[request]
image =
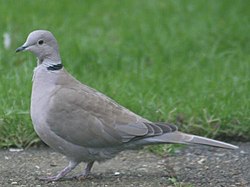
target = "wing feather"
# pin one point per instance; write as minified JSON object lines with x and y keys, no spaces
{"x":87,"y":119}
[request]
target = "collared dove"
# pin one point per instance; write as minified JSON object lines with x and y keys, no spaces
{"x":82,"y":123}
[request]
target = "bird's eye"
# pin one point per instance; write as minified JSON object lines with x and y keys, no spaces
{"x":40,"y":42}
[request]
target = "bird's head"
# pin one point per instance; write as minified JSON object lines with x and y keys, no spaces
{"x":43,"y":44}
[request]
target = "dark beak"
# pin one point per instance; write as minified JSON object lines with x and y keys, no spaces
{"x":21,"y":48}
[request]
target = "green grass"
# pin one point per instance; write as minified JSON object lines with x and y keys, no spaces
{"x":187,"y":62}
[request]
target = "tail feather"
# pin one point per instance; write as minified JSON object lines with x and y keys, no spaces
{"x":183,"y":138}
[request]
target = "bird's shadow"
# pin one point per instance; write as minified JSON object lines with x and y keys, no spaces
{"x":110,"y":176}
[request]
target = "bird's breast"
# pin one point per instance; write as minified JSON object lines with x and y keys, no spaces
{"x":42,"y":90}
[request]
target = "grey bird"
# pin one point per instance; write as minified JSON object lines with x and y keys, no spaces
{"x":82,"y":123}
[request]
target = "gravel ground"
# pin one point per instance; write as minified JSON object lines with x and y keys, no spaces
{"x":192,"y":166}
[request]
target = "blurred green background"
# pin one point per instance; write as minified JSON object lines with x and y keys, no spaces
{"x":186,"y":62}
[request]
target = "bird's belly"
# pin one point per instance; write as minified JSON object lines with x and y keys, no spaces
{"x":72,"y":151}
{"x":40,"y":104}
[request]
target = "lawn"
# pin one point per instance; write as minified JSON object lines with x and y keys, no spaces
{"x":186,"y":62}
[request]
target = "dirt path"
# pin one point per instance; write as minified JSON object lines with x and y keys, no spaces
{"x":194,"y":165}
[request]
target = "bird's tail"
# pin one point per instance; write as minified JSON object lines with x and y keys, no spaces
{"x":183,"y":138}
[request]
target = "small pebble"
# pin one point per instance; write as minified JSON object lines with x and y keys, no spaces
{"x":15,"y":150}
{"x":242,"y":152}
{"x":14,"y":183}
{"x":201,"y":161}
{"x":220,"y":154}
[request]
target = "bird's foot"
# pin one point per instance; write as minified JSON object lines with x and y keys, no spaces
{"x":86,"y":174}
{"x":83,"y":176}
{"x":49,"y":178}
{"x":60,"y":175}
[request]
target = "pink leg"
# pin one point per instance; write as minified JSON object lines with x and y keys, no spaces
{"x":62,"y":173}
{"x":86,"y":171}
